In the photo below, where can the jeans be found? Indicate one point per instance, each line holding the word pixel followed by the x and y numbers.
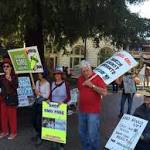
pixel 123 100
pixel 89 130
pixel 37 118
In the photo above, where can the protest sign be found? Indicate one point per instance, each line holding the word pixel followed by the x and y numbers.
pixel 74 96
pixel 24 91
pixel 26 60
pixel 127 133
pixel 114 67
pixel 54 122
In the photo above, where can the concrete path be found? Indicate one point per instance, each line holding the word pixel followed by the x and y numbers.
pixel 109 119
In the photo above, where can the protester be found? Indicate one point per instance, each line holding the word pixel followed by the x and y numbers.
pixel 0 114
pixel 9 84
pixel 60 93
pixel 42 92
pixel 89 104
pixel 128 86
pixel 114 87
pixel 143 112
pixel 147 75
pixel 142 75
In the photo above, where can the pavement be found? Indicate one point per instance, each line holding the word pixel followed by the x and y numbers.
pixel 109 120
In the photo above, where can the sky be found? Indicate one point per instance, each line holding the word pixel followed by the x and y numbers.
pixel 143 9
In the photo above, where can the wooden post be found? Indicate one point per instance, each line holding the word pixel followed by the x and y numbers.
pixel 32 80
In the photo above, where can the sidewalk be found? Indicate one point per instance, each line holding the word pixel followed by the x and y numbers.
pixel 109 120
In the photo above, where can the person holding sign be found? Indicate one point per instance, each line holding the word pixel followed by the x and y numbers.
pixel 128 90
pixel 9 84
pixel 42 92
pixel 143 112
pixel 89 104
pixel 60 93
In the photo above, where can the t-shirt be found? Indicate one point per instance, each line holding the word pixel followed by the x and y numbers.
pixel 44 89
pixel 90 100
pixel 60 93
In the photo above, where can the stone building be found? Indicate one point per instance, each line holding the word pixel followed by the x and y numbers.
pixel 76 53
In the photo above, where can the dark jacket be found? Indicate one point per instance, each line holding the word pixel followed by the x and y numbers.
pixel 144 112
pixel 8 87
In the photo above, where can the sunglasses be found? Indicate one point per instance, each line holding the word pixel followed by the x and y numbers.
pixel 6 66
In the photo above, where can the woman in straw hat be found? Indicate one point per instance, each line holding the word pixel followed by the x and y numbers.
pixel 60 93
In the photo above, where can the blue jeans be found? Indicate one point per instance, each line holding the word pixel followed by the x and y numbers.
pixel 89 130
pixel 123 100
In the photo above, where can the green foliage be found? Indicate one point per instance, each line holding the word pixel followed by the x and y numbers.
pixel 65 21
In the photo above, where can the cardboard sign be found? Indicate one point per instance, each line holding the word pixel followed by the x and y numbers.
pixel 25 92
pixel 127 133
pixel 114 67
pixel 26 60
pixel 74 96
pixel 54 122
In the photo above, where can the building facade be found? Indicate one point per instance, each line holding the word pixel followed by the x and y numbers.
pixel 78 52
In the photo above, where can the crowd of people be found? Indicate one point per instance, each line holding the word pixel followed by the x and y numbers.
pixel 89 103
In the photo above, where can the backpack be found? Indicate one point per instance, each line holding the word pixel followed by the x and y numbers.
pixel 129 84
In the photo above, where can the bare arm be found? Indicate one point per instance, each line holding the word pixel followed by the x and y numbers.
pixel 119 80
pixel 97 89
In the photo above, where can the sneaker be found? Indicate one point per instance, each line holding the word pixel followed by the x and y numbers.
pixel 38 142
pixel 12 136
pixel 120 115
pixel 34 138
pixel 2 135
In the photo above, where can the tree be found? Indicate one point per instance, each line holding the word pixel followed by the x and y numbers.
pixel 65 21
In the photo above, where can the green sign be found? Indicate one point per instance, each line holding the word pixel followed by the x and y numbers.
pixel 26 60
pixel 54 122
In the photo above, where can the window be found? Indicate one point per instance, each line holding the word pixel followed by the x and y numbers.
pixel 77 55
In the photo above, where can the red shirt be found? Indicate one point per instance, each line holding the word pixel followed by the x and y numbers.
pixel 89 100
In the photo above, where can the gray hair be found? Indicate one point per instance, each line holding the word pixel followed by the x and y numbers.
pixel 85 63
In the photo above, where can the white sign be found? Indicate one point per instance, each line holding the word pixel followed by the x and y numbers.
pixel 74 96
pixel 24 81
pixel 127 133
pixel 25 92
pixel 114 67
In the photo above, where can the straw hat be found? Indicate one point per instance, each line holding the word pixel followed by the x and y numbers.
pixel 58 70
pixel 7 60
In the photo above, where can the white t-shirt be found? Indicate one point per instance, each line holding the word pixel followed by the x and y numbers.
pixel 59 94
pixel 43 88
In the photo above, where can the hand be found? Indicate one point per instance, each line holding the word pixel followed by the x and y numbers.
pixel 88 83
pixel 47 101
pixel 37 92
pixel 8 77
pixel 59 103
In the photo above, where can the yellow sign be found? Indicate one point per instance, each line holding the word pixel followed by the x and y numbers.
pixel 54 122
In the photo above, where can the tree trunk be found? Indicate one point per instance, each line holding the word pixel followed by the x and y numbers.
pixel 34 34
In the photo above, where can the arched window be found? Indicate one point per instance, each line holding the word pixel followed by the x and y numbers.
pixel 77 55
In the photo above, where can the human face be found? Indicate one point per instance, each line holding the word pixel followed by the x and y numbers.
pixel 86 72
pixel 147 101
pixel 40 76
pixel 7 68
pixel 58 76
